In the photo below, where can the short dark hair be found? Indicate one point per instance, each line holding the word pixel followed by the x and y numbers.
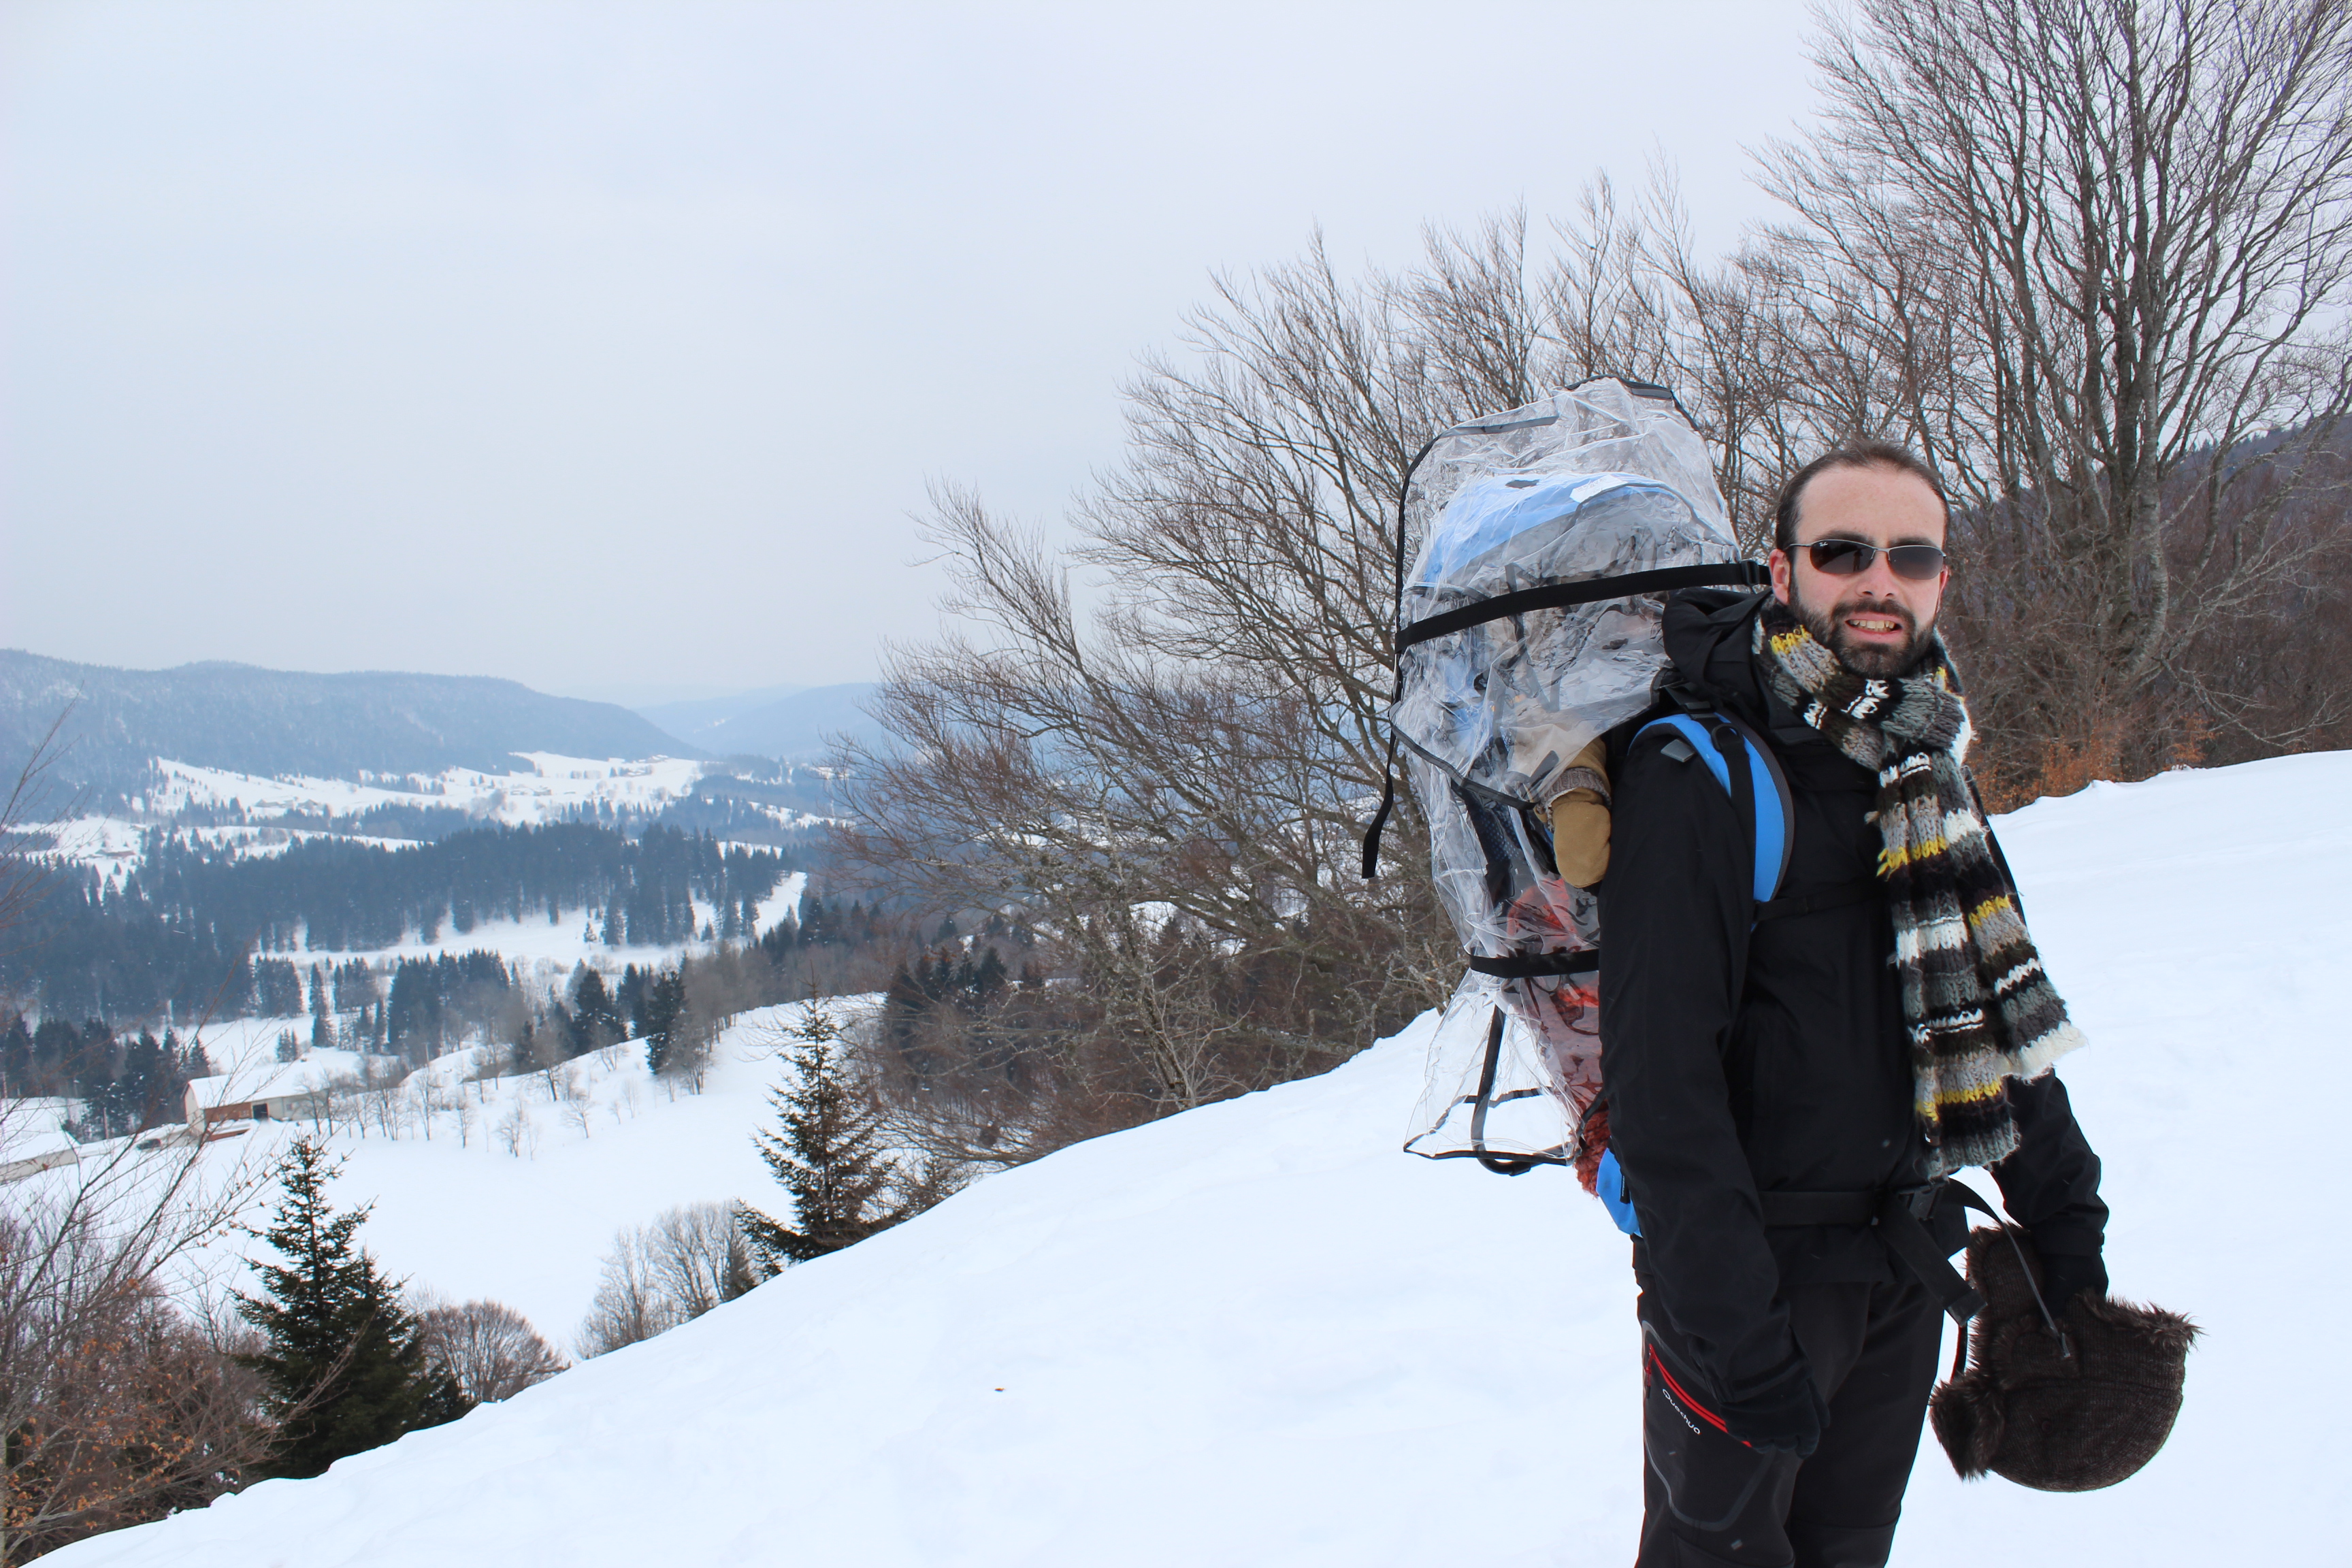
pixel 1857 454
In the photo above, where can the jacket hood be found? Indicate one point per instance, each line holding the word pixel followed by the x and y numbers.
pixel 1710 642
pixel 1706 635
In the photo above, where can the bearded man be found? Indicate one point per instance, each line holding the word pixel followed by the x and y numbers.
pixel 1789 1082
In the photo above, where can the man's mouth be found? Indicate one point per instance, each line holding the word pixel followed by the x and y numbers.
pixel 1874 626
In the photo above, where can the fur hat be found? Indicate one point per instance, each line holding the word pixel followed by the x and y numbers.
pixel 2055 1421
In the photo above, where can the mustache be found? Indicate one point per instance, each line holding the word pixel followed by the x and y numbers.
pixel 1893 609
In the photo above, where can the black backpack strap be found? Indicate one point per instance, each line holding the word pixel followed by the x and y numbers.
pixel 1396 694
pixel 1380 818
pixel 1527 966
pixel 1502 1166
pixel 1899 1215
pixel 1590 590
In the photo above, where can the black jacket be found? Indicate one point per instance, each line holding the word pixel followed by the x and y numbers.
pixel 1746 1058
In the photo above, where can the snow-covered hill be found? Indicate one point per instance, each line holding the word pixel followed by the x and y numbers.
pixel 544 787
pixel 1259 1334
pixel 512 1187
pixel 111 722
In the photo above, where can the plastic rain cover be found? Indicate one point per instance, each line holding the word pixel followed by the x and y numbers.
pixel 1595 482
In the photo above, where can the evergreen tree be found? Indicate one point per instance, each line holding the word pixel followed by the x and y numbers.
pixel 345 1368
pixel 661 1001
pixel 322 1017
pixel 988 981
pixel 595 1018
pixel 826 1155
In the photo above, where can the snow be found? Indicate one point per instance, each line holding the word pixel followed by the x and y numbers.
pixel 784 900
pixel 1258 1333
pixel 553 786
pixel 533 942
pixel 460 1214
pixel 546 790
pixel 110 844
pixel 550 786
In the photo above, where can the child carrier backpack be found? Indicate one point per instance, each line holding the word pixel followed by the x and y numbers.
pixel 1529 625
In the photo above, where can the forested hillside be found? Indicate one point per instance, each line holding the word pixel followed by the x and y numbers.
pixel 270 722
pixel 191 930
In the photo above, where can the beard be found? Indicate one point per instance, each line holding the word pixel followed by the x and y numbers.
pixel 1872 661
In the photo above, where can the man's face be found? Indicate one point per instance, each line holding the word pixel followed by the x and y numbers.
pixel 1877 622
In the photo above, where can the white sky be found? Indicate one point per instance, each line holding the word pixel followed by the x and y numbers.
pixel 609 347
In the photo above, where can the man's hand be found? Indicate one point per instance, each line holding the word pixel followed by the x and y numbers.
pixel 1786 1415
pixel 2065 1275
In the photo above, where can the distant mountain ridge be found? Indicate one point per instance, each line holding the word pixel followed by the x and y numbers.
pixel 268 721
pixel 798 728
pixel 686 717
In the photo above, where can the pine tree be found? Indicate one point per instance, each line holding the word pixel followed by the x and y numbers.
pixel 322 1015
pixel 345 1368
pixel 596 1021
pixel 826 1155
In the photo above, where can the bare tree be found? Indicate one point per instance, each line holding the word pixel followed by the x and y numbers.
pixel 697 1256
pixel 30 822
pixel 2084 254
pixel 137 1415
pixel 659 1276
pixel 113 1407
pixel 629 1304
pixel 487 1348
pixel 516 1133
pixel 572 1097
pixel 2081 252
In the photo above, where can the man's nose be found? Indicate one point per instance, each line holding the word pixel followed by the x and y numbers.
pixel 1879 577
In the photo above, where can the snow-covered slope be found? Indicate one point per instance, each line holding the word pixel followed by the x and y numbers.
pixel 1259 1334
pixel 523 1210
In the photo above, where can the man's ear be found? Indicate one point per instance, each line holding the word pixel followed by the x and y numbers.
pixel 1779 563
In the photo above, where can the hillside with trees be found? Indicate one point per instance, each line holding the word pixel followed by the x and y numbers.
pixel 192 931
pixel 270 722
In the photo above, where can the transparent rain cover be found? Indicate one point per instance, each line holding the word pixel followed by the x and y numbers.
pixel 1598 481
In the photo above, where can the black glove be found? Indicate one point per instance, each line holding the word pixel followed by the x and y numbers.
pixel 1785 1416
pixel 2065 1275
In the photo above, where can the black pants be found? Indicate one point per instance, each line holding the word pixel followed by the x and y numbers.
pixel 1710 1500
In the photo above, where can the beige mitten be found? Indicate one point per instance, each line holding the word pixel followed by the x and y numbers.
pixel 1580 820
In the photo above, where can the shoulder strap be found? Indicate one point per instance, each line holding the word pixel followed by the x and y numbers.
pixel 1388 772
pixel 1750 773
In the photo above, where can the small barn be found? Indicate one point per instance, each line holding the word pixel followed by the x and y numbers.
pixel 228 1100
pixel 30 1155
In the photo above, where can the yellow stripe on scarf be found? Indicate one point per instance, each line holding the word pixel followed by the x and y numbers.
pixel 1894 859
pixel 1945 1095
pixel 1985 913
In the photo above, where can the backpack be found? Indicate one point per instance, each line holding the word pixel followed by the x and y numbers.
pixel 1529 625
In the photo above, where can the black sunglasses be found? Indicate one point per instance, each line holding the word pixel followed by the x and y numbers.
pixel 1852 557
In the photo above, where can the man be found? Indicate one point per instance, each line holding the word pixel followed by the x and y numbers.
pixel 1756 1052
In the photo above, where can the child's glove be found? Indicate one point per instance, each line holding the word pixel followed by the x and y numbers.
pixel 1579 819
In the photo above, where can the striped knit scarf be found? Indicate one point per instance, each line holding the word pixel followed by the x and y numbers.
pixel 1975 999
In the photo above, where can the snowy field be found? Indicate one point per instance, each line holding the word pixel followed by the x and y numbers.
pixel 1258 1334
pixel 545 788
pixel 549 786
pixel 523 1211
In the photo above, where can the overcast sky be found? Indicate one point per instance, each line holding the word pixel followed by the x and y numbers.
pixel 609 347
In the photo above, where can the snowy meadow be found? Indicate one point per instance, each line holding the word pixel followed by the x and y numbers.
pixel 1258 1333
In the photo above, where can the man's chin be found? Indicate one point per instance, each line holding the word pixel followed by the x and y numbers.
pixel 1877 661
pixel 1870 660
